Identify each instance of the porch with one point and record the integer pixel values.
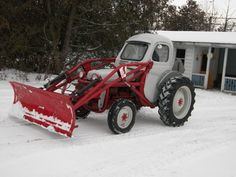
(215, 68)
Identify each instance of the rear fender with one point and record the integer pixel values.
(166, 76)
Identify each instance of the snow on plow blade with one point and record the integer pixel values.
(49, 110)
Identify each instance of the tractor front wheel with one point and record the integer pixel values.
(121, 116)
(176, 101)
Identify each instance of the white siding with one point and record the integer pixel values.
(197, 60)
(188, 64)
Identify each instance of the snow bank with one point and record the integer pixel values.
(16, 75)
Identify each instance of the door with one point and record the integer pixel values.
(162, 58)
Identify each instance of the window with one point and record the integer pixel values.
(179, 60)
(180, 55)
(161, 53)
(134, 51)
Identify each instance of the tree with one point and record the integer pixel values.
(170, 20)
(228, 25)
(41, 35)
(20, 35)
(187, 18)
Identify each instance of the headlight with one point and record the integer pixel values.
(81, 74)
(95, 76)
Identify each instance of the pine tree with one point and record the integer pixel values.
(189, 17)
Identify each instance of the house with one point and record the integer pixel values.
(209, 58)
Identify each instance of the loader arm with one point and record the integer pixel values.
(124, 80)
(67, 77)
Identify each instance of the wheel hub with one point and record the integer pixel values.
(182, 102)
(124, 117)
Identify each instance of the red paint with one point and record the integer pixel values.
(124, 117)
(180, 102)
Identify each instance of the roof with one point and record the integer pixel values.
(200, 36)
(149, 38)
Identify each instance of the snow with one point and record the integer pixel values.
(200, 36)
(222, 158)
(204, 146)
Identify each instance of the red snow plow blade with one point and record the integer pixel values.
(47, 109)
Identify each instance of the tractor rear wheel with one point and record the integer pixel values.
(176, 101)
(121, 116)
(82, 113)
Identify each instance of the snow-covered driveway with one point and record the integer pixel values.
(205, 146)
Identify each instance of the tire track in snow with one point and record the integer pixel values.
(140, 131)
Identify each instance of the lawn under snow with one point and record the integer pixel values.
(205, 146)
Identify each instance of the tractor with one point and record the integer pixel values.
(141, 75)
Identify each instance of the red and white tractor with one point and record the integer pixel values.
(141, 75)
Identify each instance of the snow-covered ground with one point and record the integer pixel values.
(205, 146)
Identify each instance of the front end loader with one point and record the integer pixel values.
(55, 107)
